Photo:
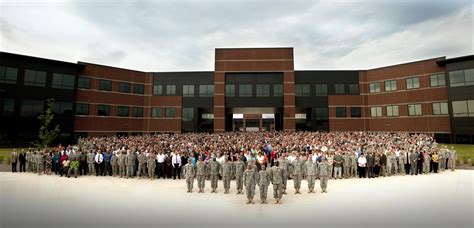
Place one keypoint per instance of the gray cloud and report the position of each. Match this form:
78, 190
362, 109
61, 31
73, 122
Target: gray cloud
182, 35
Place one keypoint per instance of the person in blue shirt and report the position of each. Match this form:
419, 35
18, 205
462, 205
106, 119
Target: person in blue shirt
56, 165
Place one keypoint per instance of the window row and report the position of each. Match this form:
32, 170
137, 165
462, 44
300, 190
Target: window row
33, 107
461, 78
9, 75
304, 90
438, 108
410, 83
124, 111
106, 85
342, 112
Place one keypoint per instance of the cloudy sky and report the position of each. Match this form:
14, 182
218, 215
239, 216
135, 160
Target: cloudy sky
180, 35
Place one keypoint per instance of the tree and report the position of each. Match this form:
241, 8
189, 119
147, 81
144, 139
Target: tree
47, 134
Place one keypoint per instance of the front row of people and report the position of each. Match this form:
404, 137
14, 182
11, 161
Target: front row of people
251, 177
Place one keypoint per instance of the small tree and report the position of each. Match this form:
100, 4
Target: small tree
47, 134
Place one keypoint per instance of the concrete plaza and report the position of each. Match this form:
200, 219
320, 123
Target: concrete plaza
435, 200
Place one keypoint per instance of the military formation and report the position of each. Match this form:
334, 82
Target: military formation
253, 160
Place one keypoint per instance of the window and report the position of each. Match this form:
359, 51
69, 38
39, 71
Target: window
390, 85
230, 90
463, 108
356, 112
8, 75
138, 89
277, 90
440, 108
63, 81
62, 108
170, 89
461, 78
188, 90
354, 88
124, 87
105, 85
35, 78
300, 116
437, 80
245, 90
123, 111
82, 109
375, 111
374, 87
263, 90
7, 106
414, 110
188, 115
206, 90
103, 110
207, 116
302, 90
157, 90
170, 112
322, 114
32, 107
392, 110
156, 112
341, 112
83, 83
413, 83
137, 111
321, 90
339, 89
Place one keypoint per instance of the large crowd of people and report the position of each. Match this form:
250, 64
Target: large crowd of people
251, 159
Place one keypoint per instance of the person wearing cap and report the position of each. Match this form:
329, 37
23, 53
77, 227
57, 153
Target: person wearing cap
249, 182
239, 168
130, 161
90, 162
297, 172
226, 173
189, 173
142, 164
283, 163
353, 165
215, 170
263, 180
201, 172
151, 165
276, 177
452, 158
311, 172
346, 165
323, 174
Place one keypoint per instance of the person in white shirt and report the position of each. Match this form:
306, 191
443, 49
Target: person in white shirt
176, 162
99, 159
160, 158
362, 161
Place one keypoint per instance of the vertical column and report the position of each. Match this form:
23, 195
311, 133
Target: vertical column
289, 101
219, 102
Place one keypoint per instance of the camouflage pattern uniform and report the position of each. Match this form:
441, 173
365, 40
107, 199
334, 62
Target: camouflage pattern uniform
123, 164
442, 159
297, 174
323, 176
263, 180
401, 163
142, 165
215, 168
151, 164
277, 177
249, 182
226, 172
311, 171
130, 164
29, 163
239, 168
189, 174
201, 172
452, 159
90, 162
346, 164
284, 167
389, 165
40, 163
353, 166
115, 165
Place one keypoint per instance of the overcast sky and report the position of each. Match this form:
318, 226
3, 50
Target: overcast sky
179, 35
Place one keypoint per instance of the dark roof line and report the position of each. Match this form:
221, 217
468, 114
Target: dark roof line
38, 58
455, 59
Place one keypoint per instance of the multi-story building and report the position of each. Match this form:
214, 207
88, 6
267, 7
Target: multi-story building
250, 89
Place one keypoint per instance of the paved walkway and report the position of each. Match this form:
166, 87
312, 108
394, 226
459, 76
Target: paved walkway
435, 200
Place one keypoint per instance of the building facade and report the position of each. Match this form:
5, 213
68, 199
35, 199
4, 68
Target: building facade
250, 89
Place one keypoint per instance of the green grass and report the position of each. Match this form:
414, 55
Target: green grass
464, 151
6, 153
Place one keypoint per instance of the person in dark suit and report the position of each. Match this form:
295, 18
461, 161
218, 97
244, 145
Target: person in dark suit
370, 165
168, 167
419, 162
383, 164
22, 159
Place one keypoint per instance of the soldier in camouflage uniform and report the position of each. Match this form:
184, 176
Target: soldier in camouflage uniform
323, 175
311, 171
40, 163
395, 164
122, 162
130, 161
249, 182
297, 173
277, 176
453, 155
401, 163
263, 180
215, 169
142, 165
284, 167
90, 162
239, 168
226, 173
201, 172
442, 159
426, 163
189, 175
346, 165
29, 163
353, 166
151, 164
115, 164
34, 162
